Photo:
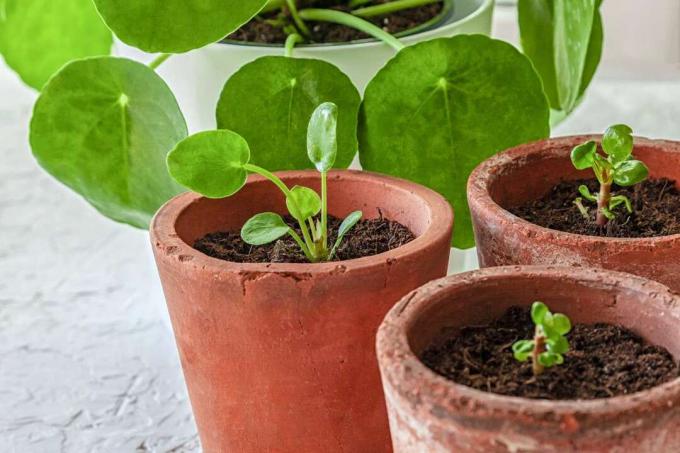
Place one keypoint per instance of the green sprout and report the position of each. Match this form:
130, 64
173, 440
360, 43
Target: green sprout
617, 165
216, 164
549, 343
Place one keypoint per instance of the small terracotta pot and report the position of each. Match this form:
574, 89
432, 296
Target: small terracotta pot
280, 357
429, 413
529, 171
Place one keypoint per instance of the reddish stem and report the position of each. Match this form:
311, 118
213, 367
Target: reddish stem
603, 202
539, 348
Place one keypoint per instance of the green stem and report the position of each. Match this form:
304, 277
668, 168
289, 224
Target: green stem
338, 17
272, 5
324, 209
291, 40
355, 3
297, 18
391, 7
286, 191
159, 60
302, 245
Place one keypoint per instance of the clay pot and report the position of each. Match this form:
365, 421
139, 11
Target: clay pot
529, 171
280, 357
429, 413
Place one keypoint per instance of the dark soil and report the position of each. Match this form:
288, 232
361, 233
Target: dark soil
656, 210
367, 238
604, 361
271, 27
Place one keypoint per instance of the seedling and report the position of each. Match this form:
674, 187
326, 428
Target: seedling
549, 343
216, 164
617, 165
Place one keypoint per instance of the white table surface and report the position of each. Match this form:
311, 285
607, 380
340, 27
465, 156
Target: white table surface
86, 361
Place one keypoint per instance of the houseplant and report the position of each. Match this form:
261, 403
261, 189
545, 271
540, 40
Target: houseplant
519, 178
278, 356
429, 412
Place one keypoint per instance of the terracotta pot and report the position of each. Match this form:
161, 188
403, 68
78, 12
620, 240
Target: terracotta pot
280, 357
429, 413
529, 171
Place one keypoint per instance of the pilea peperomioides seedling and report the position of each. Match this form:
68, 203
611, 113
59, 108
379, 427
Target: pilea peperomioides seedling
216, 164
549, 343
617, 165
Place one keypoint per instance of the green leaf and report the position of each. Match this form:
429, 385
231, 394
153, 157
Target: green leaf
522, 349
175, 26
346, 225
264, 228
322, 142
210, 163
563, 38
630, 172
617, 200
37, 37
561, 324
583, 190
270, 100
538, 312
583, 156
548, 359
617, 142
441, 107
103, 127
558, 345
307, 203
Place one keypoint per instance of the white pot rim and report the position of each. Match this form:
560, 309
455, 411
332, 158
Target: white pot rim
367, 43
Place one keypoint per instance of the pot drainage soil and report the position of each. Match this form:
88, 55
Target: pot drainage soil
268, 28
656, 210
604, 361
367, 238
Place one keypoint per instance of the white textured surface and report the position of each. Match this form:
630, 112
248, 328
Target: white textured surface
86, 363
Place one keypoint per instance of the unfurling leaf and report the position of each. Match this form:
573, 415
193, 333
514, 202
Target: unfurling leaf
618, 200
264, 228
322, 142
303, 203
583, 190
344, 228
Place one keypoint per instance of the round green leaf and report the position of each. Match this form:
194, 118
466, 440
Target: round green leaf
211, 163
548, 359
264, 228
175, 25
617, 142
270, 102
322, 141
558, 345
630, 172
561, 324
307, 203
522, 349
441, 107
103, 127
538, 312
583, 155
37, 37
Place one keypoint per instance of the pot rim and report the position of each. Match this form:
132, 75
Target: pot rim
482, 176
409, 373
369, 42
164, 235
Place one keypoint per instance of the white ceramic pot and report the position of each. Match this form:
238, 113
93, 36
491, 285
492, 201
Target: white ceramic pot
197, 77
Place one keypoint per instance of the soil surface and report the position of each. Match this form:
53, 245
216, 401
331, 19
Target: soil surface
273, 28
368, 237
603, 361
656, 210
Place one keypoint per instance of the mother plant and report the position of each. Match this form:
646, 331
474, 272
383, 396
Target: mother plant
102, 125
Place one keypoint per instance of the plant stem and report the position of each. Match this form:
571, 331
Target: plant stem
338, 17
355, 3
603, 203
297, 18
390, 7
324, 209
286, 191
291, 40
301, 244
272, 5
159, 60
539, 348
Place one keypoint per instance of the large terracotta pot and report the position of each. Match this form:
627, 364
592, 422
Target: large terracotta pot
529, 171
280, 357
429, 413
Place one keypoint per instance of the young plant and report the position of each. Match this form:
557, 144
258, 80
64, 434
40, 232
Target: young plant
216, 164
549, 343
617, 165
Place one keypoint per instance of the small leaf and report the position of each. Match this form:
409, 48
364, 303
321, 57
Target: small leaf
617, 200
548, 359
322, 142
583, 155
538, 312
618, 142
558, 345
630, 172
607, 213
583, 190
264, 228
307, 203
344, 228
522, 349
561, 323
211, 163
